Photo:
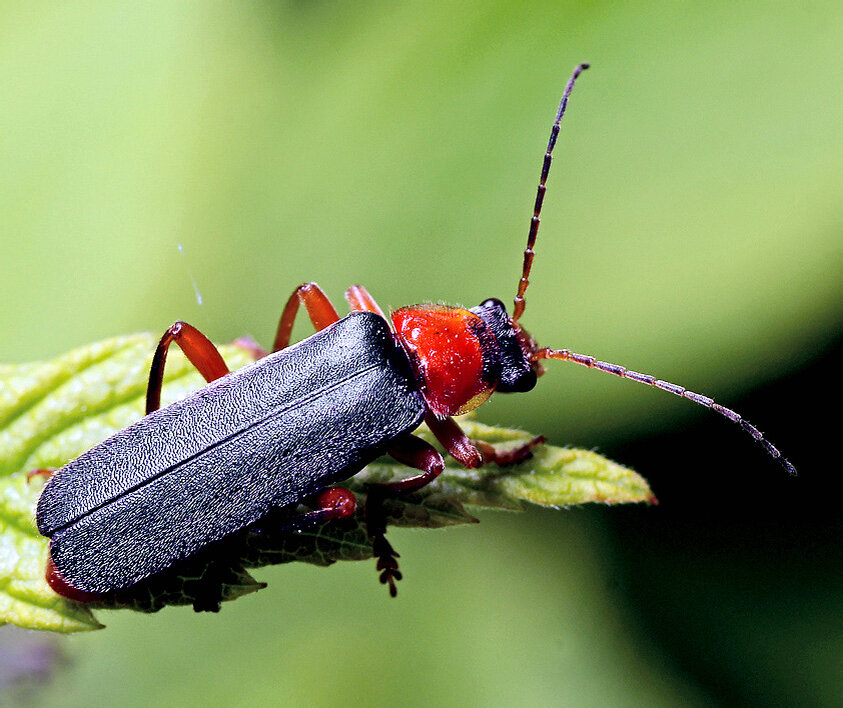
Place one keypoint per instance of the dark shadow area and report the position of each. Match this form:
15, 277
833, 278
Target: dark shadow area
738, 573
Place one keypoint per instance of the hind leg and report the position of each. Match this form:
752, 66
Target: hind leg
197, 348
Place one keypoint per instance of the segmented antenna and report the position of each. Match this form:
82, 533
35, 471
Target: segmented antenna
518, 309
592, 363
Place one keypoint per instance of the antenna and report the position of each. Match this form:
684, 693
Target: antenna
518, 309
592, 363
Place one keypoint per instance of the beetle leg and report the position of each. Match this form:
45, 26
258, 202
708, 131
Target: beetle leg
449, 434
251, 346
328, 505
319, 308
513, 456
197, 348
332, 503
416, 453
61, 587
358, 297
382, 550
45, 472
387, 556
473, 453
413, 452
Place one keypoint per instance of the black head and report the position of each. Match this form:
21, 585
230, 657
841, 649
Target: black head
519, 369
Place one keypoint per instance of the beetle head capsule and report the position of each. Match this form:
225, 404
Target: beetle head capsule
519, 367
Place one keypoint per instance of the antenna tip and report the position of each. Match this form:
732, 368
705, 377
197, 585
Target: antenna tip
585, 65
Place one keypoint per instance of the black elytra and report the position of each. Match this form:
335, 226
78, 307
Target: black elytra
203, 468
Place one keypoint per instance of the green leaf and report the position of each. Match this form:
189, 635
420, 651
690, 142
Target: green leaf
553, 476
51, 412
25, 598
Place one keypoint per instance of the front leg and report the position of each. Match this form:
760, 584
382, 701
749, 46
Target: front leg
458, 445
473, 453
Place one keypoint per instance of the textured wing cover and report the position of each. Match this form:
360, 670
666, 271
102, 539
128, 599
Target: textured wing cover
205, 467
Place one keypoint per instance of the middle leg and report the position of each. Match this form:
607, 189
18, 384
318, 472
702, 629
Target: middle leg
319, 308
358, 297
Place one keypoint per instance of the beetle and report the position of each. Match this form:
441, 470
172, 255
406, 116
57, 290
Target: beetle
286, 428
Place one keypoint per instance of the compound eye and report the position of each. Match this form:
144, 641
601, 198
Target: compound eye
519, 381
494, 304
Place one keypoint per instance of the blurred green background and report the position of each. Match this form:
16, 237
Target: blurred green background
692, 229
